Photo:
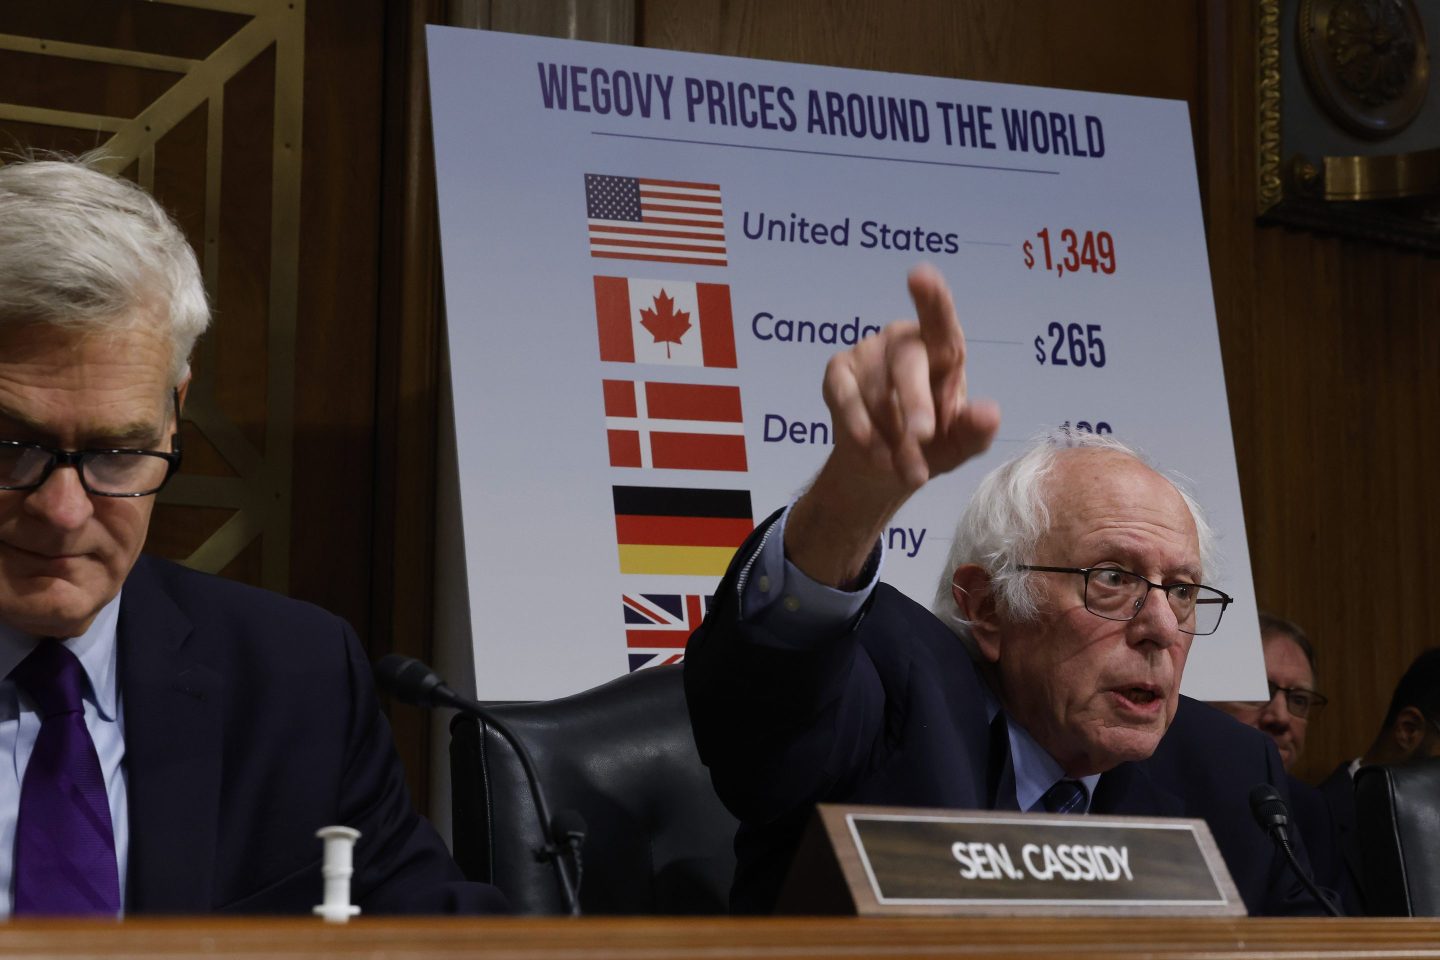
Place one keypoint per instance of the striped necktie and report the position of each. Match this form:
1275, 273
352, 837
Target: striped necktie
64, 841
1066, 796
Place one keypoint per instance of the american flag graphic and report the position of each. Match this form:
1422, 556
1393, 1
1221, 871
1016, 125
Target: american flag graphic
633, 218
657, 625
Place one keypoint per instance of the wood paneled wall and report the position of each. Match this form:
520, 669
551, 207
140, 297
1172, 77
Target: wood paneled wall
1332, 356
1332, 362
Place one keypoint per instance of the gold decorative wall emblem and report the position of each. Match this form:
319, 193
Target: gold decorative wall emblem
1348, 130
199, 101
1366, 60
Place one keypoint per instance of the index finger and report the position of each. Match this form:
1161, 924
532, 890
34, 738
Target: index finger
939, 329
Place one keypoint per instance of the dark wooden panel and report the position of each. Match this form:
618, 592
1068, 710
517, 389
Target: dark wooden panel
129, 24
54, 83
1114, 45
1333, 369
242, 295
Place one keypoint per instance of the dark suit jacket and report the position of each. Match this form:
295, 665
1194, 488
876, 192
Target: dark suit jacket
893, 713
1338, 789
250, 722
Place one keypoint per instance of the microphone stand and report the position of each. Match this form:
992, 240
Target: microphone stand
413, 682
1273, 815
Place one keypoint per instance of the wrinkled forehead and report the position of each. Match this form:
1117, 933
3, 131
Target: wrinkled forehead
83, 380
1105, 499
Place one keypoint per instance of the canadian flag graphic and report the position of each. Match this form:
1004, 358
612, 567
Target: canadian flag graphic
664, 321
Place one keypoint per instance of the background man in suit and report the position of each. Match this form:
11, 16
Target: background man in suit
1286, 716
1294, 701
1410, 731
169, 742
1072, 594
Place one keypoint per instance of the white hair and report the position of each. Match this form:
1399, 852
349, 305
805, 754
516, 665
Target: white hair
1010, 512
90, 252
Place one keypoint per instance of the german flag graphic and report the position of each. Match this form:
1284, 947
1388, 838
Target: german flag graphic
680, 531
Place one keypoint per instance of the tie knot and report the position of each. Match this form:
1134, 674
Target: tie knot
53, 677
1066, 796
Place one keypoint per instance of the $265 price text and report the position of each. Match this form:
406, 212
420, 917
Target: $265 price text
1070, 345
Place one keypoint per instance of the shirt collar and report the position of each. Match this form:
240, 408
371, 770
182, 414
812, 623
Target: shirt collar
95, 649
1035, 770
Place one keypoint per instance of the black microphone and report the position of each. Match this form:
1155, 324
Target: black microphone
411, 681
1274, 818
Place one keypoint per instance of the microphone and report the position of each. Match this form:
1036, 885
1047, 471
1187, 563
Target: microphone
412, 682
1273, 816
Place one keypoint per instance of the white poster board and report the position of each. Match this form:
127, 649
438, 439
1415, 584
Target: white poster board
649, 257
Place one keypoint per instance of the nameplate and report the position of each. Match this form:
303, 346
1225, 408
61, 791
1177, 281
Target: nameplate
896, 861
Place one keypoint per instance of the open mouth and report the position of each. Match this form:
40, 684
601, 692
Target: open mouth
1140, 696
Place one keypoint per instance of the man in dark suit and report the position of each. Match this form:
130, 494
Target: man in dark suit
169, 741
1050, 680
1290, 670
1410, 731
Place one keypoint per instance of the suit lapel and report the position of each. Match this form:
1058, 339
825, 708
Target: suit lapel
172, 752
1129, 789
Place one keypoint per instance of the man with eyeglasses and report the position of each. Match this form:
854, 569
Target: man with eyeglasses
169, 741
1410, 731
1286, 716
1290, 673
1046, 679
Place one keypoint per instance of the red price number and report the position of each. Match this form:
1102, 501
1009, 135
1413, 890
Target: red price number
1092, 250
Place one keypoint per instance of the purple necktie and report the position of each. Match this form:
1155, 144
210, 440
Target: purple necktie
64, 842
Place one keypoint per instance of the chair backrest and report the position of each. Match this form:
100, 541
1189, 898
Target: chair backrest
1397, 814
658, 841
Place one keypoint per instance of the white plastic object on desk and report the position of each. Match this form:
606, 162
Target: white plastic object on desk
336, 869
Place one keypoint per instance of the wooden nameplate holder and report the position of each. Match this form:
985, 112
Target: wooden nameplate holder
893, 861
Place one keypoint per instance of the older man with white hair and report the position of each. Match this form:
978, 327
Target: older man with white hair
1050, 679
169, 741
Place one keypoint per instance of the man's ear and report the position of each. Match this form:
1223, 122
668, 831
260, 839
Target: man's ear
970, 585
181, 390
1409, 730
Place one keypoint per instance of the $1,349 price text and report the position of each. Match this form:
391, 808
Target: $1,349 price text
1092, 250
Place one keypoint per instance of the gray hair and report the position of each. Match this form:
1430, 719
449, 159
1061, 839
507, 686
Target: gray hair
1010, 512
94, 253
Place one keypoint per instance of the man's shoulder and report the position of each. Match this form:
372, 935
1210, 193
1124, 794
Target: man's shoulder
205, 596
1203, 742
221, 619
897, 630
1339, 779
1338, 789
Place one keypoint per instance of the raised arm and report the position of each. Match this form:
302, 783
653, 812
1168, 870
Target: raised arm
902, 415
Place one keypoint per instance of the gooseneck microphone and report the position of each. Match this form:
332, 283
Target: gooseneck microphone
412, 682
1273, 816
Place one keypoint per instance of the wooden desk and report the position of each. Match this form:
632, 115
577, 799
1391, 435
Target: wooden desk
717, 939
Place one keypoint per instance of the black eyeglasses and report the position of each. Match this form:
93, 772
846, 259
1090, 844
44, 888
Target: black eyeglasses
1116, 594
103, 473
1301, 703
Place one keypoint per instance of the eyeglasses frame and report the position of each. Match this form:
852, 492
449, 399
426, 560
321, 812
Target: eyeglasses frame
1165, 588
77, 458
1313, 710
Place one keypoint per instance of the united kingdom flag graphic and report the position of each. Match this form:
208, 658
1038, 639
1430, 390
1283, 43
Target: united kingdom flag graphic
657, 625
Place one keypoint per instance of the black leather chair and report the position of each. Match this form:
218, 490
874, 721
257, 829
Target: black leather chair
658, 841
1397, 813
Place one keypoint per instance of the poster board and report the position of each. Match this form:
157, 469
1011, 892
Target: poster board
650, 256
